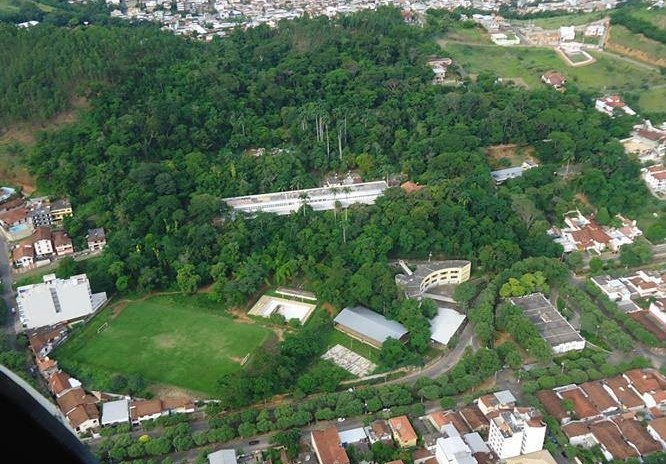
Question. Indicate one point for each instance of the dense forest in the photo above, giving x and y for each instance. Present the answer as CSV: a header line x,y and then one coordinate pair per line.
x,y
170,124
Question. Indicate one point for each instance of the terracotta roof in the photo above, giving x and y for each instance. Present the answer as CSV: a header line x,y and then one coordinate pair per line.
x,y
23,250
657,168
41,233
329,447
624,394
655,136
643,284
637,435
73,398
474,417
614,101
402,428
177,403
439,418
598,396
659,396
644,381
399,461
607,433
380,427
552,404
421,453
411,187
59,382
14,215
45,363
143,408
60,238
575,429
583,407
82,413
656,412
10,204
555,78
458,422
484,458
659,426
432,460
659,175
39,339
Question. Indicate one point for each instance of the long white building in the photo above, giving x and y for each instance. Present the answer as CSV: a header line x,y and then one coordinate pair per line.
x,y
320,199
57,300
516,432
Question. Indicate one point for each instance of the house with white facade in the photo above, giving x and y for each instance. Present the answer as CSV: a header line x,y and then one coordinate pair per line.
x,y
609,105
516,432
655,178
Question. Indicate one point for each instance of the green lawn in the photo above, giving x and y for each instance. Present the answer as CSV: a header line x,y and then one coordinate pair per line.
x,y
653,100
339,338
656,16
555,22
624,37
12,6
609,73
467,34
175,340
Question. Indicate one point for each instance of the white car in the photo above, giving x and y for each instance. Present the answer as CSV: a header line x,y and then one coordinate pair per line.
x,y
341,419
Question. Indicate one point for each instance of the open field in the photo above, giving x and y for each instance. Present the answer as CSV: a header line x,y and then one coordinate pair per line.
x,y
467,35
622,40
608,73
656,16
653,100
12,6
175,340
513,155
555,22
338,338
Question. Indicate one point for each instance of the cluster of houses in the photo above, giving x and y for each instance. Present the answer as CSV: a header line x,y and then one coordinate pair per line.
x,y
45,244
493,428
20,217
583,233
641,285
611,413
611,105
439,67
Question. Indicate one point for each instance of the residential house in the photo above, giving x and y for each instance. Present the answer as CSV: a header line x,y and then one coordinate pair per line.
x,y
24,254
453,450
474,418
655,178
43,341
658,310
379,431
439,67
14,217
80,409
178,405
327,446
42,241
637,436
657,430
610,104
422,456
648,384
60,383
411,187
582,406
496,401
579,434
353,436
60,209
620,390
143,410
599,397
116,412
611,441
553,405
96,239
62,243
567,33
554,79
584,234
403,432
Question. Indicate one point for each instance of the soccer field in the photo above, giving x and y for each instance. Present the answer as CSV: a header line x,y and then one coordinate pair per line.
x,y
169,340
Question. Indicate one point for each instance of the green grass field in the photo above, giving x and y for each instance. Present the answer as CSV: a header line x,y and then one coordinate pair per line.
x,y
12,6
624,37
609,73
174,340
656,16
555,22
338,338
653,100
466,35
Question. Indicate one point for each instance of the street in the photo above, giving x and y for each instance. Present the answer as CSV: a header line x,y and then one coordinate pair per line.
x,y
7,291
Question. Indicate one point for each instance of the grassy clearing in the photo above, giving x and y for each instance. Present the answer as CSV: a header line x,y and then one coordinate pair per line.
x,y
555,22
13,6
609,73
338,338
656,16
653,100
175,340
640,47
466,35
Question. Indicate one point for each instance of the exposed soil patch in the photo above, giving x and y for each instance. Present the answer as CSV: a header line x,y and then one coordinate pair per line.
x,y
513,154
165,341
329,308
169,391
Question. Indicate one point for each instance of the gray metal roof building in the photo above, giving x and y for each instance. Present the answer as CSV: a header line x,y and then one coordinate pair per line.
x,y
115,412
555,329
223,456
368,326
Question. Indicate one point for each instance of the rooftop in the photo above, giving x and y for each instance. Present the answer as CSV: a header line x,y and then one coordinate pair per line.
x,y
537,457
624,394
474,417
659,426
412,283
223,456
115,411
96,235
549,322
402,428
598,396
445,324
142,408
553,404
82,413
328,444
607,433
637,434
370,324
583,407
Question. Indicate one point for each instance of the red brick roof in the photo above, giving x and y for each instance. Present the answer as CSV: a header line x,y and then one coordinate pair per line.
x,y
598,396
143,408
655,136
60,238
554,78
73,398
575,429
59,382
607,433
636,434
14,216
659,426
329,447
41,233
644,381
82,413
177,403
380,428
552,403
621,389
410,187
23,250
474,417
10,204
458,422
583,407
402,428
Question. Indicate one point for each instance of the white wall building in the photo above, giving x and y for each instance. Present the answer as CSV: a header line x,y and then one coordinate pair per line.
x,y
567,33
655,178
453,450
516,432
57,300
320,199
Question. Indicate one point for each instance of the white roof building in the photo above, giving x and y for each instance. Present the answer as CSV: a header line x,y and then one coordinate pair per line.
x,y
116,412
445,325
223,456
516,432
567,33
453,450
350,436
57,300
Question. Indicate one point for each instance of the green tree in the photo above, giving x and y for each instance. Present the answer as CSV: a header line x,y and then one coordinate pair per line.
x,y
188,279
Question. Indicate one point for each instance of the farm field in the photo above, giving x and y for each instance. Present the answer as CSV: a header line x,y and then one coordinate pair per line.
x,y
173,340
609,73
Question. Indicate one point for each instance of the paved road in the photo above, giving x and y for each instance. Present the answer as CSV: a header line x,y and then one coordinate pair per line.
x,y
7,293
